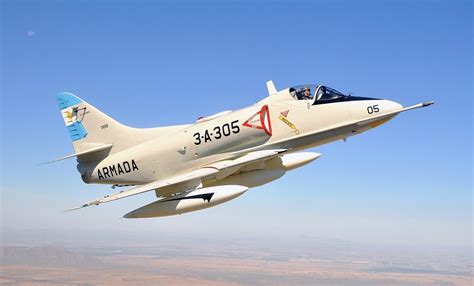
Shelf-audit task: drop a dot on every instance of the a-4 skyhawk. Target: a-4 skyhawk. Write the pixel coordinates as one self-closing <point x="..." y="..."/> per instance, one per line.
<point x="219" y="157"/>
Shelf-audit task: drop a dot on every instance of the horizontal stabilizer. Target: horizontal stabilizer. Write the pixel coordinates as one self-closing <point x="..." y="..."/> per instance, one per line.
<point x="82" y="153"/>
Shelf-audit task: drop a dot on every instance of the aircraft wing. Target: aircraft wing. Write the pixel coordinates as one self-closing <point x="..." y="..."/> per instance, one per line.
<point x="226" y="167"/>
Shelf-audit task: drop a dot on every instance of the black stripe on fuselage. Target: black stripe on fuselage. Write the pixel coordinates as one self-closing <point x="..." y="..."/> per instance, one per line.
<point x="344" y="99"/>
<point x="205" y="197"/>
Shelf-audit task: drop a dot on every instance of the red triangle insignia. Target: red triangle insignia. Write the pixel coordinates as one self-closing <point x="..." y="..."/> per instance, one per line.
<point x="260" y="120"/>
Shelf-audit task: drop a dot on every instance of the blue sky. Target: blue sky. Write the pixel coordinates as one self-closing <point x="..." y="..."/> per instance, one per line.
<point x="161" y="63"/>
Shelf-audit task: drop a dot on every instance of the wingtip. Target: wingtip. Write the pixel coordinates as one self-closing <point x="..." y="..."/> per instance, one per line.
<point x="92" y="203"/>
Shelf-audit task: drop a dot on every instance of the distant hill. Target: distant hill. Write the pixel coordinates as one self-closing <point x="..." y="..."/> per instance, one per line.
<point x="45" y="256"/>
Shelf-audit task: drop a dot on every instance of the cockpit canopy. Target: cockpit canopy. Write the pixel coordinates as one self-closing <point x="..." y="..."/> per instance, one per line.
<point x="316" y="93"/>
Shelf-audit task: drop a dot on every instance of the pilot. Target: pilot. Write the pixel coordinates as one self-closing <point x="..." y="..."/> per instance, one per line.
<point x="306" y="93"/>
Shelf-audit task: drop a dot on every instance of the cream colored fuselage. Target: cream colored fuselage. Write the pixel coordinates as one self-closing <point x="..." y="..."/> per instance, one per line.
<point x="278" y="121"/>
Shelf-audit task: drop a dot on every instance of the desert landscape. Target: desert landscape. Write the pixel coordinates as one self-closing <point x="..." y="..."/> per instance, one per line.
<point x="180" y="260"/>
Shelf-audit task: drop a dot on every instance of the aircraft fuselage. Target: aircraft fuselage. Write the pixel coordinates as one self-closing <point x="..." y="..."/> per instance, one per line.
<point x="271" y="123"/>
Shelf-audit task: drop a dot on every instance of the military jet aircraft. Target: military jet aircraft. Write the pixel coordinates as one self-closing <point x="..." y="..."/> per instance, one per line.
<point x="219" y="157"/>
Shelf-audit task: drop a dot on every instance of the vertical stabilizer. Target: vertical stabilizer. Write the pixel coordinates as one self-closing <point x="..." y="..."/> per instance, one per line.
<point x="91" y="129"/>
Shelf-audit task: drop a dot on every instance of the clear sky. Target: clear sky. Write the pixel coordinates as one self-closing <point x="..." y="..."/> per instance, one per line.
<point x="153" y="63"/>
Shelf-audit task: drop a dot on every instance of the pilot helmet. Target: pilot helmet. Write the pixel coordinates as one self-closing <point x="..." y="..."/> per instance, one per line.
<point x="304" y="89"/>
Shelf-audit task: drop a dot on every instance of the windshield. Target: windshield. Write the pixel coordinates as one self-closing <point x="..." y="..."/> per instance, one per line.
<point x="325" y="93"/>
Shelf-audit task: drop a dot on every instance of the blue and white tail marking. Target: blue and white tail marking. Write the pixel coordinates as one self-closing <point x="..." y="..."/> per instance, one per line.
<point x="68" y="103"/>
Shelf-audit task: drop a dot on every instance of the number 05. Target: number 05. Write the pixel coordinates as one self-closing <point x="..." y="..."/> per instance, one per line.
<point x="373" y="109"/>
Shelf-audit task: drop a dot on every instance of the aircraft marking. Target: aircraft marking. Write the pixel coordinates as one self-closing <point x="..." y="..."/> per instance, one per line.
<point x="219" y="132"/>
<point x="260" y="120"/>
<point x="205" y="197"/>
<point x="373" y="109"/>
<point x="117" y="169"/>
<point x="290" y="124"/>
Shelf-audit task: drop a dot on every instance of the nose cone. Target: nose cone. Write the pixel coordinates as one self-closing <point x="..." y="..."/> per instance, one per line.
<point x="369" y="108"/>
<point x="386" y="107"/>
<point x="391" y="106"/>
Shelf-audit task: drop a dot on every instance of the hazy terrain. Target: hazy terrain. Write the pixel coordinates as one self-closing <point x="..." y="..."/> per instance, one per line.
<point x="52" y="258"/>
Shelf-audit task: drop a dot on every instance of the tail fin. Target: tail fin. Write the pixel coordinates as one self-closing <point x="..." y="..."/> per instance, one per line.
<point x="88" y="127"/>
<point x="91" y="129"/>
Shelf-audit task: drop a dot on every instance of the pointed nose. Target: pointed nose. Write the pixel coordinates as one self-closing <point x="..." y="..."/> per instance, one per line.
<point x="392" y="106"/>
